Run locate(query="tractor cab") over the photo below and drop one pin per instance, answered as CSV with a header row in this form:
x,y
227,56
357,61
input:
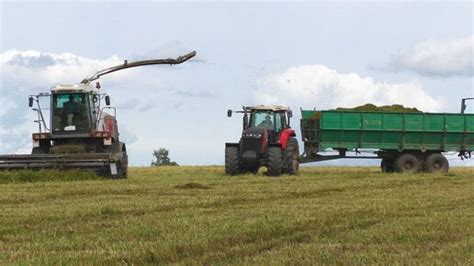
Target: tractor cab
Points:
x,y
273,119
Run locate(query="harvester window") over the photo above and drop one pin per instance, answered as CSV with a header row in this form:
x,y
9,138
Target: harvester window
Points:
x,y
70,112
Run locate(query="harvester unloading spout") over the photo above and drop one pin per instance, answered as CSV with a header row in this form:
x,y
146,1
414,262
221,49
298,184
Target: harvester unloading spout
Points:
x,y
80,134
126,64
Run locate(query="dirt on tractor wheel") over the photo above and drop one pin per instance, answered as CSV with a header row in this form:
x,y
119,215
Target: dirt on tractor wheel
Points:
x,y
192,186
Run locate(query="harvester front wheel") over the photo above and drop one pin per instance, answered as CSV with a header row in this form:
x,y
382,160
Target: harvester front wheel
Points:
x,y
292,157
436,163
124,161
232,161
407,163
274,161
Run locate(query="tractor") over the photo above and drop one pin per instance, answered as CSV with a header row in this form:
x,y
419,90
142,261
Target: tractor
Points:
x,y
81,132
267,140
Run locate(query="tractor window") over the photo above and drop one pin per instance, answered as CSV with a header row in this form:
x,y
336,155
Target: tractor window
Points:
x,y
279,118
70,112
262,119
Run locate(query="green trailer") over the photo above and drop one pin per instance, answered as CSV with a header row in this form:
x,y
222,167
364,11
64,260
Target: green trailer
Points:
x,y
406,142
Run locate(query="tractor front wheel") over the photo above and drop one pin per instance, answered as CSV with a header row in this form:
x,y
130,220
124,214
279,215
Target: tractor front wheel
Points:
x,y
274,161
292,157
232,161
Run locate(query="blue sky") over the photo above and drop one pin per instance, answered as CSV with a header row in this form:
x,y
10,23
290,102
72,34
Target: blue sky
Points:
x,y
321,55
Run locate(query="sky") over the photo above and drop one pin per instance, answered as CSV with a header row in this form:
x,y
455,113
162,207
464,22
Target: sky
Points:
x,y
304,55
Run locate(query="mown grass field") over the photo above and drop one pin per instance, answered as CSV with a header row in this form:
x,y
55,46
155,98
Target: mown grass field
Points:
x,y
325,215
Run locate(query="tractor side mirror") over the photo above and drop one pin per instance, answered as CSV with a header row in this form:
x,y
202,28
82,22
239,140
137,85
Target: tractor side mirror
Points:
x,y
107,100
290,114
245,121
30,101
463,107
229,113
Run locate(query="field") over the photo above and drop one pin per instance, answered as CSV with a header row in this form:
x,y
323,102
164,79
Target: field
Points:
x,y
196,215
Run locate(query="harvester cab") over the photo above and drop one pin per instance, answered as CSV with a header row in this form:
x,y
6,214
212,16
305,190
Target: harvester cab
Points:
x,y
82,129
77,113
267,140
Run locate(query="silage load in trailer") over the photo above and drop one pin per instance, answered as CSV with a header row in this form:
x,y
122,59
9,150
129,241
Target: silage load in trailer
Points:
x,y
397,108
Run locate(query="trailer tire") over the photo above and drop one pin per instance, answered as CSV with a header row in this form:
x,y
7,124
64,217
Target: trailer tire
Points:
x,y
436,163
292,157
387,166
232,161
274,161
407,163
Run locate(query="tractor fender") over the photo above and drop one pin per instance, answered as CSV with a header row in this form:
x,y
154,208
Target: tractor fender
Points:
x,y
232,145
285,135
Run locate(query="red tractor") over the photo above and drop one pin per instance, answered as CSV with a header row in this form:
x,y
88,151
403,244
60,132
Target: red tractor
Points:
x,y
267,140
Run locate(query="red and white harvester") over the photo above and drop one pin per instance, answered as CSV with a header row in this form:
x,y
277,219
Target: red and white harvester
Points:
x,y
82,131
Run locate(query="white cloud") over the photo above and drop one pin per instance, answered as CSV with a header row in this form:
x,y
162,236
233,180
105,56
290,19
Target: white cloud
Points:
x,y
441,58
50,68
321,87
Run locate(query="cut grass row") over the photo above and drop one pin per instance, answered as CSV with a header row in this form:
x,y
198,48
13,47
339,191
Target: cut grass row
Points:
x,y
196,215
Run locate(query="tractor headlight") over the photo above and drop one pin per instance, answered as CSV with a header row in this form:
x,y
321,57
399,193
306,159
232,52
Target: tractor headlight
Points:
x,y
252,135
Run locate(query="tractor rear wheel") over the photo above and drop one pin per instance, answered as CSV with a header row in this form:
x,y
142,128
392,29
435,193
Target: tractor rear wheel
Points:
x,y
232,161
436,163
407,163
274,161
292,157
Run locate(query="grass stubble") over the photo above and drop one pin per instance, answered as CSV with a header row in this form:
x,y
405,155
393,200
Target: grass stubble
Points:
x,y
196,215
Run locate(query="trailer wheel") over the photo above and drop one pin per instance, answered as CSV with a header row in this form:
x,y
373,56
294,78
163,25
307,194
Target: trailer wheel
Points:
x,y
292,157
387,166
407,163
436,163
232,161
274,161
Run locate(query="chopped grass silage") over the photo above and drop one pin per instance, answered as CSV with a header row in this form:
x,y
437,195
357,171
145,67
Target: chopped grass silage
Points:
x,y
19,176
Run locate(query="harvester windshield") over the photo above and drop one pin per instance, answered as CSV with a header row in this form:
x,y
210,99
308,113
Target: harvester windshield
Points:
x,y
71,112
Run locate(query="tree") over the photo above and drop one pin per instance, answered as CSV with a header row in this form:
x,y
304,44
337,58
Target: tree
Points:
x,y
162,158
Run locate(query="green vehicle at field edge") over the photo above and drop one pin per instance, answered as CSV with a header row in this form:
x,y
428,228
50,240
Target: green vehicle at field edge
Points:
x,y
406,142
